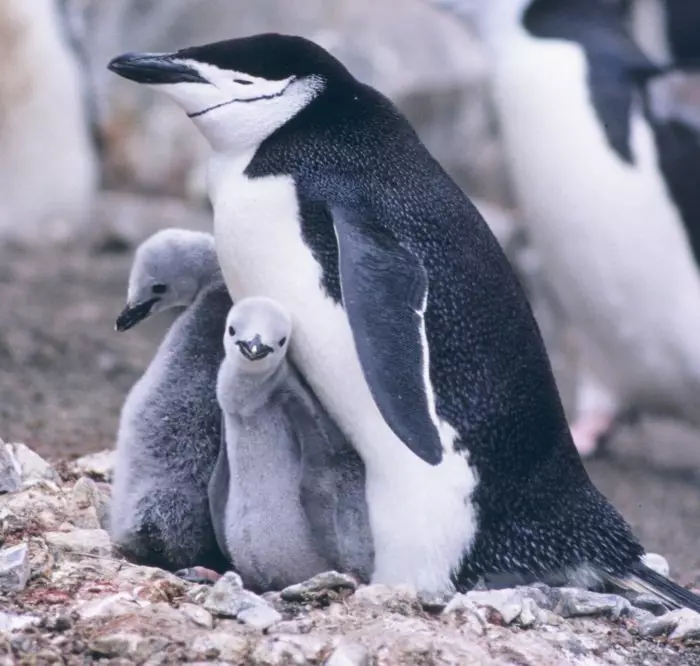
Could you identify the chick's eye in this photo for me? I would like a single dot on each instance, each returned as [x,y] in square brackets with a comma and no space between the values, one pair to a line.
[159,288]
[231,330]
[282,341]
[243,82]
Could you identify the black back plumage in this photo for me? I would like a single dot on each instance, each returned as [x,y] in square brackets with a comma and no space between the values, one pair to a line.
[537,509]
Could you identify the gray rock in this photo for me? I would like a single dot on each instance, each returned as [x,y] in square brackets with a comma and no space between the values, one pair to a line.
[229,647]
[97,465]
[511,605]
[198,615]
[10,622]
[391,597]
[318,586]
[14,568]
[80,542]
[286,650]
[114,605]
[10,470]
[33,467]
[682,624]
[228,598]
[574,602]
[348,653]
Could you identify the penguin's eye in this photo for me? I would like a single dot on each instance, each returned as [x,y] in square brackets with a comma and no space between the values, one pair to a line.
[159,288]
[243,82]
[231,331]
[282,341]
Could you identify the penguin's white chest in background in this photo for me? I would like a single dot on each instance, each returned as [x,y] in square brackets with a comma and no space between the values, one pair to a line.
[422,519]
[607,230]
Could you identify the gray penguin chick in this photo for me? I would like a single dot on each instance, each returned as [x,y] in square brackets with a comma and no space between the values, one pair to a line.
[288,491]
[170,428]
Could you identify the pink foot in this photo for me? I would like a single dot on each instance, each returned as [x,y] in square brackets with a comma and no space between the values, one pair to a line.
[200,575]
[588,430]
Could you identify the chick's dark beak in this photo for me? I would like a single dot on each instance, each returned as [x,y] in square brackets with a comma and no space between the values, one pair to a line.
[154,68]
[255,349]
[133,314]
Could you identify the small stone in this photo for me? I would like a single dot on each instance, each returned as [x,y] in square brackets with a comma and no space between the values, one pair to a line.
[386,595]
[97,465]
[58,623]
[10,470]
[197,615]
[657,563]
[115,645]
[680,624]
[259,617]
[318,586]
[34,467]
[84,542]
[10,622]
[84,493]
[506,602]
[575,602]
[348,653]
[227,646]
[434,603]
[113,605]
[14,568]
[228,598]
[295,649]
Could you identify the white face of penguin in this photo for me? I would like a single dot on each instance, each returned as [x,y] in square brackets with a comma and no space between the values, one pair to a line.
[234,109]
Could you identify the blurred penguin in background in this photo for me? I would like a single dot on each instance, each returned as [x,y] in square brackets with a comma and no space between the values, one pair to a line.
[603,145]
[667,30]
[48,166]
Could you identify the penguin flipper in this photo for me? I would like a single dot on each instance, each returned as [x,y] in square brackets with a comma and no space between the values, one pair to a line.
[384,291]
[644,580]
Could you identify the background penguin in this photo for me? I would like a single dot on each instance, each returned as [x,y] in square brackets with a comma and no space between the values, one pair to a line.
[410,326]
[48,167]
[668,30]
[604,152]
[170,426]
[286,517]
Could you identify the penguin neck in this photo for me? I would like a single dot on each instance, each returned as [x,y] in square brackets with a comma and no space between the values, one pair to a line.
[244,393]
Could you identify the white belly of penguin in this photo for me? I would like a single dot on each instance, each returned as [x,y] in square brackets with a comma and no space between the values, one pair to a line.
[610,238]
[421,516]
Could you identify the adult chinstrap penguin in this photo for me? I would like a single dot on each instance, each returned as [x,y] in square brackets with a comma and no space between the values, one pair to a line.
[411,327]
[287,493]
[170,425]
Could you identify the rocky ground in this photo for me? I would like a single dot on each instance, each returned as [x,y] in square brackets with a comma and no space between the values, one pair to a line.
[64,373]
[69,598]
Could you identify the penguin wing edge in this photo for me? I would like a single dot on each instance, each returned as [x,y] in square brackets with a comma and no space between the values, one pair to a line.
[384,289]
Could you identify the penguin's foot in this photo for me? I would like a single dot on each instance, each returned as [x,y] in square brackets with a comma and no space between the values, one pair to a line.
[198,575]
[679,625]
[589,430]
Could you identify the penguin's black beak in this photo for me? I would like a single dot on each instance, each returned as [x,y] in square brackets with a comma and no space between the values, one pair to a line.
[154,68]
[255,349]
[133,314]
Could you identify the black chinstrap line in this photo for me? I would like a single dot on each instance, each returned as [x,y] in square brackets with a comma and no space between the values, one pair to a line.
[242,101]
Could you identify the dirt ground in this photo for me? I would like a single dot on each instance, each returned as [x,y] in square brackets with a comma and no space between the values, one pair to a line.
[64,372]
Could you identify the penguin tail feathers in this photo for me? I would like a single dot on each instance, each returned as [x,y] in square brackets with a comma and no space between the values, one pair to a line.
[644,580]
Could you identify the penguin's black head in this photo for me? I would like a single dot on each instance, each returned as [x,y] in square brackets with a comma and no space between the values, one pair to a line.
[238,91]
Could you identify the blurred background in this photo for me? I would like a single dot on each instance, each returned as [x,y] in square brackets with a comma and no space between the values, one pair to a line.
[91,165]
